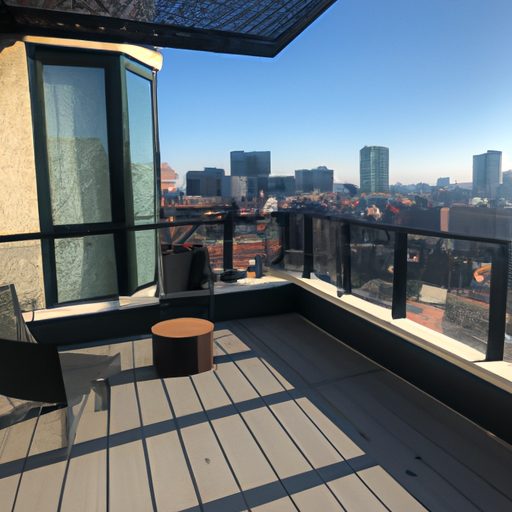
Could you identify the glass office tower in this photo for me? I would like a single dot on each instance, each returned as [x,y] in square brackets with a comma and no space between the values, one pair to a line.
[374,169]
[486,174]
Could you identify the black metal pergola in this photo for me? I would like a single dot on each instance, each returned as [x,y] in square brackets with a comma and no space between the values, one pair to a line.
[259,28]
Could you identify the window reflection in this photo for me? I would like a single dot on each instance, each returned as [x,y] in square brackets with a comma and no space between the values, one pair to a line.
[77,144]
[143,250]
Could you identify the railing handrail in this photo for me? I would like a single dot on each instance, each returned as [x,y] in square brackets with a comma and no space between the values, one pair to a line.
[393,227]
[103,229]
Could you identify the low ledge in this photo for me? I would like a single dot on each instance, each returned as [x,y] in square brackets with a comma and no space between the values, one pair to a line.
[137,320]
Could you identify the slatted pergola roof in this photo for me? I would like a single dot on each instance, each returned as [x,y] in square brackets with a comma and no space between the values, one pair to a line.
[258,27]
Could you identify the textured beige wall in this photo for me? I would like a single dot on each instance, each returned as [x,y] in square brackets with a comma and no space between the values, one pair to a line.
[18,193]
[20,263]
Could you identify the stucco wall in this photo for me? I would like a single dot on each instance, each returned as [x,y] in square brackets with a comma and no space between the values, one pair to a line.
[20,262]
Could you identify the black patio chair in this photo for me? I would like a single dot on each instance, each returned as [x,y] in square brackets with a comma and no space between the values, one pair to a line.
[33,375]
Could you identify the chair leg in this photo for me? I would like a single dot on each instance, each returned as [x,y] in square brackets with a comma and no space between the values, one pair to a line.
[73,418]
[100,395]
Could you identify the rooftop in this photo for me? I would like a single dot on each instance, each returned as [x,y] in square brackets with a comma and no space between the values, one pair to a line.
[289,419]
[319,400]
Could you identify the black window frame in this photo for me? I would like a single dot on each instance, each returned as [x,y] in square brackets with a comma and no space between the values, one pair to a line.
[115,66]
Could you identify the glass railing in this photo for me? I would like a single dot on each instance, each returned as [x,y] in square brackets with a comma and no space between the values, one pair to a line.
[449,287]
[371,269]
[232,241]
[456,285]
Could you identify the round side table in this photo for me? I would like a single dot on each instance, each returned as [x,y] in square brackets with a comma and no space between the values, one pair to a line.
[182,346]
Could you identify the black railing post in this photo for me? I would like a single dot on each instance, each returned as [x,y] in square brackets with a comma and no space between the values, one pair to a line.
[498,304]
[339,260]
[308,246]
[346,258]
[285,225]
[399,307]
[229,231]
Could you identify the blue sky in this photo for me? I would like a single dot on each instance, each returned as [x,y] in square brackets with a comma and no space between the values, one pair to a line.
[430,79]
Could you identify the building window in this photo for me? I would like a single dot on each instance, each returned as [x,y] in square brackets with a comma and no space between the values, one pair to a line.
[94,138]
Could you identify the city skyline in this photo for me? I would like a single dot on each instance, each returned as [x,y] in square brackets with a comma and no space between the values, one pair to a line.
[427,81]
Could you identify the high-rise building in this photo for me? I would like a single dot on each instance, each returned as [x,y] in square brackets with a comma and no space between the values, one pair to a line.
[207,183]
[303,181]
[250,164]
[244,188]
[281,186]
[505,189]
[309,180]
[443,182]
[374,169]
[486,174]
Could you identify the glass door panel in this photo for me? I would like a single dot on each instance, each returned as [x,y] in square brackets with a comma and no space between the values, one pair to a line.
[142,177]
[75,114]
[77,144]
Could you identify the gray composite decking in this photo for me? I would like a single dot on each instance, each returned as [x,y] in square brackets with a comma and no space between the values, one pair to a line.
[290,419]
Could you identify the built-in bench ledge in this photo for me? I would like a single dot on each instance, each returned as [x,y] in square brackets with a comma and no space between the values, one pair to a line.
[498,373]
[141,298]
[247,283]
[148,297]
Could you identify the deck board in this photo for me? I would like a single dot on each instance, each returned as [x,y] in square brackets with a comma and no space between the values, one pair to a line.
[216,484]
[14,446]
[397,457]
[453,433]
[347,484]
[43,475]
[142,353]
[461,477]
[298,477]
[172,482]
[254,474]
[307,436]
[399,453]
[88,463]
[387,493]
[128,473]
[312,352]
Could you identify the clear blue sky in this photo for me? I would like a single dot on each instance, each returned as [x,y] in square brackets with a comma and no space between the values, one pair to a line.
[430,79]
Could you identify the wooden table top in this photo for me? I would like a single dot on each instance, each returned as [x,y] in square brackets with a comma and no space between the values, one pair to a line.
[182,328]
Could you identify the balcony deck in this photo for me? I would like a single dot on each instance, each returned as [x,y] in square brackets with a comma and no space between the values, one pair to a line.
[290,419]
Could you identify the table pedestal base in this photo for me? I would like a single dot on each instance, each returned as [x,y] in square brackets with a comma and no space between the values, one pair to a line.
[183,346]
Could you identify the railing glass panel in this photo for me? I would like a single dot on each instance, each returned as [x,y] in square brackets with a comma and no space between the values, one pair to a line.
[448,287]
[325,249]
[372,259]
[294,244]
[273,243]
[249,241]
[210,235]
